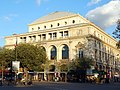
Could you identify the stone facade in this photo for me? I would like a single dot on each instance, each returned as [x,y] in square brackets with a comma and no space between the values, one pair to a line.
[64,35]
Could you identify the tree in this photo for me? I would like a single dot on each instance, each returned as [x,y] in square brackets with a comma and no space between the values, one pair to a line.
[116,34]
[81,63]
[6,56]
[79,67]
[30,56]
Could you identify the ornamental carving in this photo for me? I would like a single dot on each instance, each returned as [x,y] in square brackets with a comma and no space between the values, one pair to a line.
[80,45]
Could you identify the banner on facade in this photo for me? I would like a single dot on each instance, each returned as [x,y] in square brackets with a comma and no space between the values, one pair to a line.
[15,65]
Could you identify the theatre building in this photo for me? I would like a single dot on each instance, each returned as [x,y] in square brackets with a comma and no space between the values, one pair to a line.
[64,35]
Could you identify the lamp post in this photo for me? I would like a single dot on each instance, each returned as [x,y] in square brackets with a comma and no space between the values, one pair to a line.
[15,56]
[15,48]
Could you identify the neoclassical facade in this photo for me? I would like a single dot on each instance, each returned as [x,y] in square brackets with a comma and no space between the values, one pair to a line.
[64,35]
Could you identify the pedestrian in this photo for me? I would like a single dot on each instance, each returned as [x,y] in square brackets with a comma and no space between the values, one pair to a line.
[116,77]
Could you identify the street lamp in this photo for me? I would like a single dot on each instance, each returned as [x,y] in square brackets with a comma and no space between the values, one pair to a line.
[15,57]
[15,46]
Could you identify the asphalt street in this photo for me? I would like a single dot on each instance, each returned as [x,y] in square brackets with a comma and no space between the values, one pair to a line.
[63,86]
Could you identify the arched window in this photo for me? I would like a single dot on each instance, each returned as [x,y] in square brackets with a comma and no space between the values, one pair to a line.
[80,53]
[65,52]
[53,53]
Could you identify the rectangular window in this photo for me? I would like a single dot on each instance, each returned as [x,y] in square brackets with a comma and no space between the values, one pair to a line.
[99,45]
[65,33]
[54,35]
[39,39]
[44,36]
[96,54]
[34,38]
[95,43]
[100,55]
[106,57]
[80,53]
[50,36]
[24,39]
[61,34]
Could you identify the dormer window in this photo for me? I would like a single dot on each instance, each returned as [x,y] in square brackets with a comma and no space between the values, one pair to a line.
[73,21]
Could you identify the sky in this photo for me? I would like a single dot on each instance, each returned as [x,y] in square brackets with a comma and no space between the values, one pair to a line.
[15,15]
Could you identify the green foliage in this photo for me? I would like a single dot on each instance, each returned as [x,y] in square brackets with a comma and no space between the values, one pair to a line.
[6,56]
[63,68]
[116,34]
[31,56]
[81,63]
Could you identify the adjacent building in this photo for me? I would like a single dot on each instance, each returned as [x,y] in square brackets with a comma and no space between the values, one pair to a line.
[64,35]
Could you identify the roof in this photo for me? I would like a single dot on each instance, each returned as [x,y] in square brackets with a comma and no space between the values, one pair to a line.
[53,16]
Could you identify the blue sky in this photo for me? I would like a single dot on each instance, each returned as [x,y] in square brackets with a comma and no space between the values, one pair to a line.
[15,15]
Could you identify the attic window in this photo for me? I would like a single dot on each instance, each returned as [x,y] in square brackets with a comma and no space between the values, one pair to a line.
[51,25]
[38,28]
[32,28]
[65,23]
[44,26]
[58,24]
[73,21]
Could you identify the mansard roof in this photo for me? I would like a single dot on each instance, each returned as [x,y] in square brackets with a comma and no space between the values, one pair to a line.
[53,16]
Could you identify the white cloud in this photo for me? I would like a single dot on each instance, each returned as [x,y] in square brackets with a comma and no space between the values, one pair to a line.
[93,2]
[9,17]
[38,2]
[106,15]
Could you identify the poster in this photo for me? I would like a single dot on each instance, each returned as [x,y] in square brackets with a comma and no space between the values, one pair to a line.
[15,65]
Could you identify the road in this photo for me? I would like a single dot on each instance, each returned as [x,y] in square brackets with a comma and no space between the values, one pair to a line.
[64,86]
